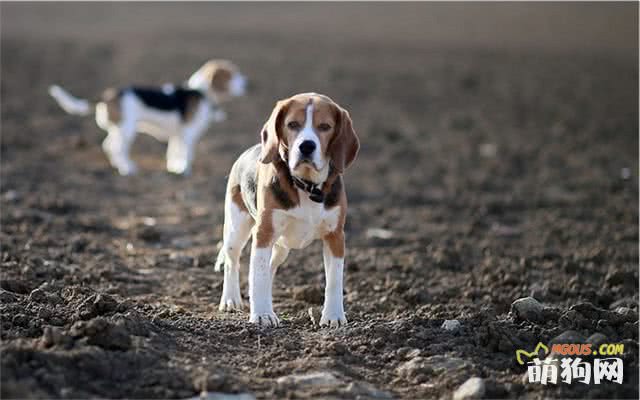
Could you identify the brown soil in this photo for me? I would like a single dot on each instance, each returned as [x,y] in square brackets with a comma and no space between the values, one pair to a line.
[504,162]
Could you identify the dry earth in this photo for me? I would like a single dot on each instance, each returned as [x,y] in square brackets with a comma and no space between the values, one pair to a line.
[499,147]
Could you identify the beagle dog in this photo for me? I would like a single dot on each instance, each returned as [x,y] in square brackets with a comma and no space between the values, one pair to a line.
[177,114]
[285,193]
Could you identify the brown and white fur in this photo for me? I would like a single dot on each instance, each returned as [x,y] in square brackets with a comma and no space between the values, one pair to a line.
[123,113]
[307,138]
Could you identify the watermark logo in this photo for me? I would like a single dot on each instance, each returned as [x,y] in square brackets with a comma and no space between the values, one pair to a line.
[546,370]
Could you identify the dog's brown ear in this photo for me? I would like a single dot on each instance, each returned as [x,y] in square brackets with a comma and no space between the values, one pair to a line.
[220,74]
[272,133]
[344,146]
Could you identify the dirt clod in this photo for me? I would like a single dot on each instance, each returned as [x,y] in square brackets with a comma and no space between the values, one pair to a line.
[102,333]
[38,296]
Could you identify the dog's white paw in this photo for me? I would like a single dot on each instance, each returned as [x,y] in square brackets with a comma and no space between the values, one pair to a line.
[333,320]
[230,304]
[127,169]
[265,319]
[178,166]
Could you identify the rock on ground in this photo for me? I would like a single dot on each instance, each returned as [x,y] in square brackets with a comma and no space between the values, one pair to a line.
[473,388]
[451,325]
[528,308]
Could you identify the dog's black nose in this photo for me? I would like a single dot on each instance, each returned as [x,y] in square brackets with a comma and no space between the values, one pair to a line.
[307,147]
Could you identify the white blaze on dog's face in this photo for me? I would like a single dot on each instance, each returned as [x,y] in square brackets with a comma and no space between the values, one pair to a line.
[219,77]
[310,132]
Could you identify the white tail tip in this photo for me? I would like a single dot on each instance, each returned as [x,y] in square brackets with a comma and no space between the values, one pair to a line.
[68,102]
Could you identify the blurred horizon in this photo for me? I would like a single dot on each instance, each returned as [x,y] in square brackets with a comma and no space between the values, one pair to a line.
[609,28]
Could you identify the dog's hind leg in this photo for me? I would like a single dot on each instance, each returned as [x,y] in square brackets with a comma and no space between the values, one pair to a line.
[180,160]
[237,230]
[176,162]
[278,256]
[118,144]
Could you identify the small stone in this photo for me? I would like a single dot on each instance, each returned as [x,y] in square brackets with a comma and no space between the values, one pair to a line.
[473,388]
[312,379]
[104,303]
[11,195]
[488,150]
[625,173]
[181,259]
[38,296]
[379,233]
[412,368]
[527,308]
[451,325]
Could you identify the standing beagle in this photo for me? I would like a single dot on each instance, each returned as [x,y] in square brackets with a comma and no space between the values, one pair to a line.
[178,115]
[285,193]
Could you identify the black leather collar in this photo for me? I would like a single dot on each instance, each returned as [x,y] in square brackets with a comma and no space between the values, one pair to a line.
[314,190]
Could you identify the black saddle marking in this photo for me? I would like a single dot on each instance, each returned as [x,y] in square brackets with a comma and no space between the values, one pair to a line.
[175,99]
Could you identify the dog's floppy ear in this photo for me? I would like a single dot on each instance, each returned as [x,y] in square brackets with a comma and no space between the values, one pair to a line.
[213,75]
[272,133]
[344,145]
[220,73]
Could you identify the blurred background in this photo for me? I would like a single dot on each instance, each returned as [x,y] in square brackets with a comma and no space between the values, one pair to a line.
[499,160]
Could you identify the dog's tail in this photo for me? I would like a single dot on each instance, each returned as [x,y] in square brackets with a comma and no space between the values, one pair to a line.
[70,103]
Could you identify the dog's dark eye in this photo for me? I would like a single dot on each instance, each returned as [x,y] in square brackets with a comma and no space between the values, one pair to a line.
[294,125]
[324,127]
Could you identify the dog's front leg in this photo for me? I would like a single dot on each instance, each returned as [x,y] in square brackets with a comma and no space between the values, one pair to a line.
[333,254]
[260,277]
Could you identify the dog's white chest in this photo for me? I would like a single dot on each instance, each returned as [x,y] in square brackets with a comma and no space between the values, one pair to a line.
[299,226]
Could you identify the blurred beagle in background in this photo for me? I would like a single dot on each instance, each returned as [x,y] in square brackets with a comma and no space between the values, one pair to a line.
[285,193]
[177,114]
